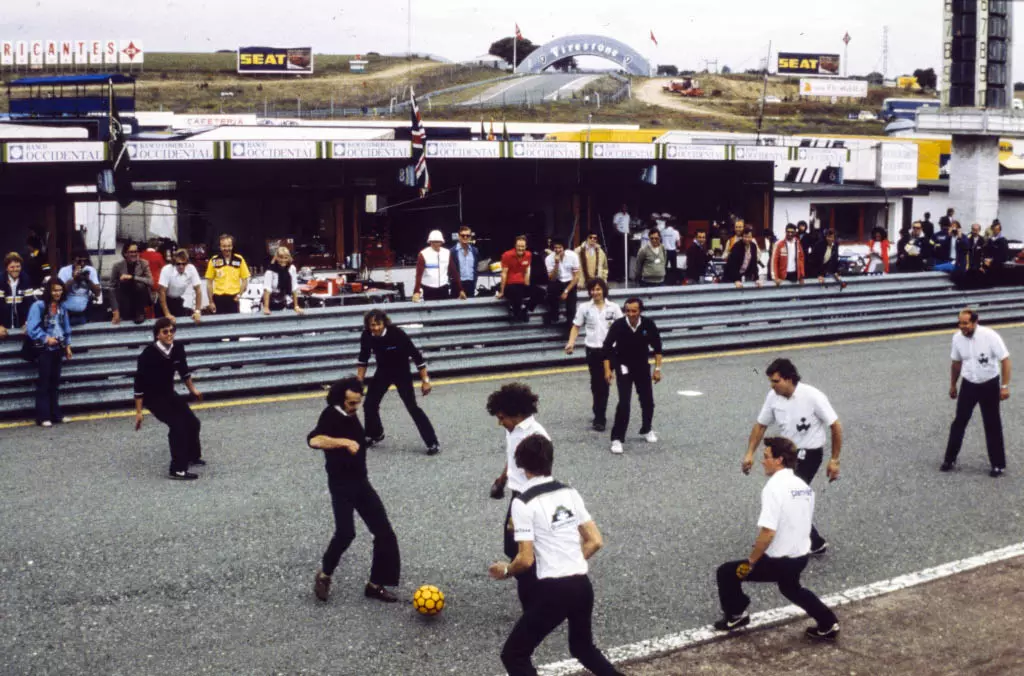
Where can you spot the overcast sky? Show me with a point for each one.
(688, 31)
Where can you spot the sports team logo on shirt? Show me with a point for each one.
(562, 518)
(983, 359)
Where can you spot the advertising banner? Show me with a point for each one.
(851, 89)
(685, 151)
(276, 60)
(801, 63)
(273, 150)
(29, 153)
(547, 150)
(464, 149)
(371, 150)
(171, 151)
(624, 151)
(6, 53)
(897, 165)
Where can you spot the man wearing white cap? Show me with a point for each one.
(435, 271)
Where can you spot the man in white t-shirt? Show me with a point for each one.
(555, 534)
(563, 267)
(596, 315)
(781, 549)
(514, 406)
(802, 413)
(621, 220)
(981, 357)
(180, 288)
(671, 239)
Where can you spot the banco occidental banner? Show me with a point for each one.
(799, 63)
(276, 60)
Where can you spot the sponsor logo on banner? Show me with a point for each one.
(29, 153)
(761, 154)
(131, 52)
(833, 157)
(170, 151)
(276, 60)
(685, 151)
(800, 63)
(546, 150)
(624, 151)
(852, 89)
(897, 165)
(464, 149)
(370, 150)
(35, 54)
(274, 150)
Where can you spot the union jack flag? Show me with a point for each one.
(519, 35)
(419, 148)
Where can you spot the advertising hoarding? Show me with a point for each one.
(852, 89)
(804, 63)
(275, 60)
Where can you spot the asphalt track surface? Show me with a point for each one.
(531, 89)
(108, 567)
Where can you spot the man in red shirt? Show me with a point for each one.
(155, 259)
(515, 277)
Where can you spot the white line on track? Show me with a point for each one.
(483, 99)
(694, 637)
(573, 85)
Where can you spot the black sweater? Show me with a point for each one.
(392, 351)
(14, 307)
(626, 346)
(154, 375)
(341, 464)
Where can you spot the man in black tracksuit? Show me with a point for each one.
(339, 434)
(393, 349)
(627, 348)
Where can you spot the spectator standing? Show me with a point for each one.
(781, 550)
(878, 253)
(131, 283)
(467, 260)
(943, 244)
(563, 267)
(627, 349)
(997, 249)
(281, 283)
(697, 259)
(155, 259)
(593, 259)
(597, 316)
(927, 227)
(980, 356)
(621, 220)
(741, 264)
(808, 237)
(393, 350)
(970, 268)
(180, 288)
(738, 228)
(154, 389)
(16, 295)
(49, 329)
(823, 261)
(436, 271)
(81, 284)
(651, 261)
(227, 278)
(914, 251)
(788, 258)
(515, 277)
(671, 239)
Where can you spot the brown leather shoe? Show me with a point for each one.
(322, 585)
(373, 591)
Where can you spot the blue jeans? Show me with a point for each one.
(47, 408)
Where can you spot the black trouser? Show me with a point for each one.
(132, 298)
(526, 582)
(558, 599)
(808, 462)
(639, 376)
(555, 291)
(226, 304)
(48, 385)
(792, 277)
(176, 306)
(671, 259)
(439, 293)
(987, 395)
(598, 385)
(784, 571)
(375, 393)
(517, 295)
(357, 495)
(182, 429)
(469, 288)
(645, 283)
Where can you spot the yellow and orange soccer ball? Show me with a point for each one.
(428, 600)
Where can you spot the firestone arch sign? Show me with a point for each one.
(552, 52)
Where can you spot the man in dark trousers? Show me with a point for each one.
(980, 356)
(780, 551)
(340, 436)
(553, 531)
(393, 349)
(697, 258)
(627, 348)
(154, 389)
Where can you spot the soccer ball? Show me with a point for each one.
(428, 600)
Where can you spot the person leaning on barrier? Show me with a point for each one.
(697, 259)
(227, 277)
(651, 261)
(515, 280)
(823, 261)
(180, 288)
(787, 262)
(82, 284)
(467, 258)
(738, 228)
(741, 264)
(281, 283)
(49, 329)
(878, 253)
(131, 283)
(436, 271)
(16, 295)
(914, 251)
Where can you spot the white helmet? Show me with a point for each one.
(435, 236)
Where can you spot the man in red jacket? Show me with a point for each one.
(788, 259)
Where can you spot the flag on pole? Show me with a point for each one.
(490, 134)
(483, 132)
(117, 151)
(419, 148)
(654, 39)
(504, 131)
(519, 35)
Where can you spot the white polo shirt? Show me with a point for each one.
(180, 284)
(567, 268)
(980, 354)
(790, 256)
(596, 321)
(802, 418)
(787, 507)
(551, 521)
(516, 476)
(670, 238)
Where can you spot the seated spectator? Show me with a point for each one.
(823, 261)
(130, 281)
(737, 236)
(788, 258)
(16, 295)
(49, 329)
(81, 286)
(281, 283)
(878, 253)
(997, 249)
(914, 251)
(155, 258)
(697, 259)
(741, 265)
(180, 288)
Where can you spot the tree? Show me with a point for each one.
(669, 70)
(503, 49)
(565, 65)
(726, 70)
(926, 78)
(1018, 86)
(875, 78)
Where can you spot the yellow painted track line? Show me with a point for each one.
(553, 371)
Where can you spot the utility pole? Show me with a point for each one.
(846, 53)
(885, 53)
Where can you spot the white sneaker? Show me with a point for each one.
(617, 447)
(651, 437)
(47, 423)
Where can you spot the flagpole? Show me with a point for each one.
(515, 44)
